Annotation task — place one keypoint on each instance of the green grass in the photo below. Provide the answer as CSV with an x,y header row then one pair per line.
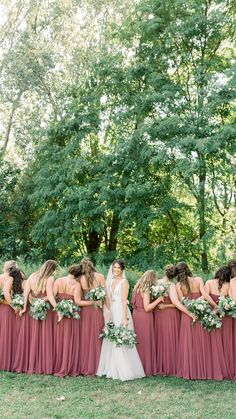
x,y
36,396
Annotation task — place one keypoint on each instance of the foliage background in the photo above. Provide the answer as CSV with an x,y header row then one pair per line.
x,y
117,131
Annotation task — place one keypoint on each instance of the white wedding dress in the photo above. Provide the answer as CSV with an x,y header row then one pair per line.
x,y
122,363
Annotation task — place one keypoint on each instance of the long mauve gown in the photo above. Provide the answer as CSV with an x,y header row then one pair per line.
x,y
220,364
144,329
167,328
8,328
194,355
67,344
92,323
42,343
21,358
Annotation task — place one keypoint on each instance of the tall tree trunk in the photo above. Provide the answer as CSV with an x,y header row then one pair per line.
x,y
202,212
115,224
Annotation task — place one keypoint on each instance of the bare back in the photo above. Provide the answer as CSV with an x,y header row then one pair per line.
x,y
97,281
195,284
3,279
212,287
232,288
65,285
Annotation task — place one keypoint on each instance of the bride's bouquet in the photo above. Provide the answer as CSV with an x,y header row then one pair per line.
x,y
39,308
119,335
97,294
17,301
226,307
1,295
202,310
159,290
67,308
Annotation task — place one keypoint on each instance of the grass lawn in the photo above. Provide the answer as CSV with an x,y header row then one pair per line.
x,y
44,397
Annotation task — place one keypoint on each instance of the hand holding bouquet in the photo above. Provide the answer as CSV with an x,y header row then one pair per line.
x,y
39,308
67,308
17,302
159,290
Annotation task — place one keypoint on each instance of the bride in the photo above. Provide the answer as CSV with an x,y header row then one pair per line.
x,y
123,362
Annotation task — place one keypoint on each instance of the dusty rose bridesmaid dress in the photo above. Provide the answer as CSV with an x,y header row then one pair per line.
x,y
144,329
92,323
8,327
194,354
67,344
167,328
220,359
21,358
42,344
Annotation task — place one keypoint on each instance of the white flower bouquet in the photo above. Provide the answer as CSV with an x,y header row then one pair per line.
x,y
202,310
210,322
67,308
39,308
159,290
119,335
226,307
17,301
97,294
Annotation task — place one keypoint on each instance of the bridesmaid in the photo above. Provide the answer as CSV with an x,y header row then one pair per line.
x,y
144,321
194,354
222,339
167,325
9,317
68,330
40,285
232,293
92,321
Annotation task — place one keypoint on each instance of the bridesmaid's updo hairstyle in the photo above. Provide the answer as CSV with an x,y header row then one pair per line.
x,y
171,271
44,273
15,273
88,270
183,272
8,265
232,267
120,262
144,283
75,270
223,275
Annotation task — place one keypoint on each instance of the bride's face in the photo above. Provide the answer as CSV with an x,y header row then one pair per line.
x,y
116,269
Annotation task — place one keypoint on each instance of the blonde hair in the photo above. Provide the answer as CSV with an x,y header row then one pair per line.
x,y
44,273
144,283
88,271
9,264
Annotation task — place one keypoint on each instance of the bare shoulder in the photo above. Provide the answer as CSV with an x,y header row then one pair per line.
x,y
99,276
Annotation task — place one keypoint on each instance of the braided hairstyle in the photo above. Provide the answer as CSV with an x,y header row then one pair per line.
x,y
15,273
183,272
88,270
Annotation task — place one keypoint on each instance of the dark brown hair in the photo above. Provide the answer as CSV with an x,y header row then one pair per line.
x,y
120,262
232,266
171,271
223,275
75,270
183,272
15,273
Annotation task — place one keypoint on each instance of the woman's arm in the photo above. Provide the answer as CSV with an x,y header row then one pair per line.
x,y
78,298
50,291
205,295
175,300
103,284
124,298
208,286
7,290
179,291
148,306
27,290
